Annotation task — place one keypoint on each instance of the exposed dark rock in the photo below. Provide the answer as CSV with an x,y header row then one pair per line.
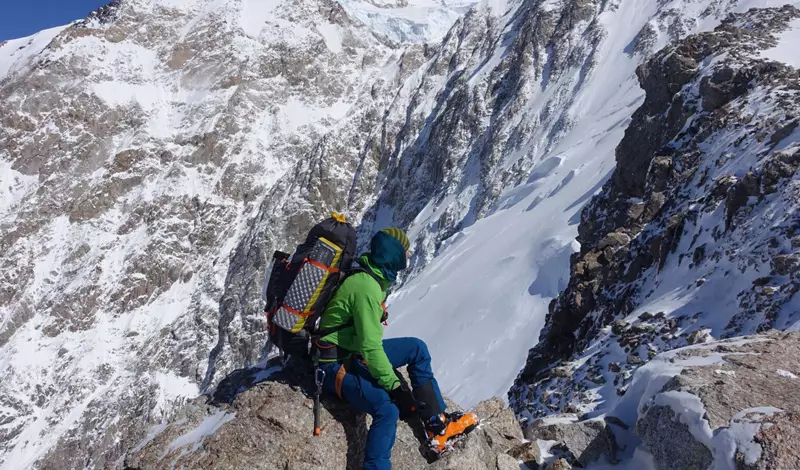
x,y
785,265
619,327
739,194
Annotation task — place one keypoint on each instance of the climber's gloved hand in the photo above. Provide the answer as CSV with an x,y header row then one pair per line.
x,y
405,402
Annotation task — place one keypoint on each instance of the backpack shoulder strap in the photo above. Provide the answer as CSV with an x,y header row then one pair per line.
x,y
361,269
355,270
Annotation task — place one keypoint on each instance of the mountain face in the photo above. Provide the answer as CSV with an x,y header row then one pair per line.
x,y
696,235
138,146
155,154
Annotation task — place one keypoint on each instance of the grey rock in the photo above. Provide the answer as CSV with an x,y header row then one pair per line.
x,y
670,441
560,371
642,328
738,195
503,429
699,336
506,462
558,464
586,441
619,327
634,359
654,204
269,424
614,240
528,452
659,173
751,381
646,316
785,265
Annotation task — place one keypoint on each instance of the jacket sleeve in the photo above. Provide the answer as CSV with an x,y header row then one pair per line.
x,y
367,318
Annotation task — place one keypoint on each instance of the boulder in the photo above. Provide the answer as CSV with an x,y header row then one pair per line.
x,y
527,452
506,462
786,264
560,371
619,327
582,441
661,430
558,464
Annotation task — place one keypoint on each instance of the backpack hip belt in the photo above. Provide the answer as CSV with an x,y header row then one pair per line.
x,y
330,352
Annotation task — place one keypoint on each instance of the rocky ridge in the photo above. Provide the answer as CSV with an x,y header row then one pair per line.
x,y
743,400
262,419
694,236
729,403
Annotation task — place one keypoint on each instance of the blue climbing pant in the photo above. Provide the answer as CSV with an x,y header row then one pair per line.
x,y
363,393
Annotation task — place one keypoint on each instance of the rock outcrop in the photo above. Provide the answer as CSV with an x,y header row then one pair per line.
x,y
723,404
733,403
262,419
691,238
580,442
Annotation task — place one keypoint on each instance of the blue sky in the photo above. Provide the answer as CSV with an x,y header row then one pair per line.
x,y
20,18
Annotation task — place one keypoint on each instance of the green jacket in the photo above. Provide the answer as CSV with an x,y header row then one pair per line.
x,y
359,298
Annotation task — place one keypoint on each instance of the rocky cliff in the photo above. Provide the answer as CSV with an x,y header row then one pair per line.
x,y
695,236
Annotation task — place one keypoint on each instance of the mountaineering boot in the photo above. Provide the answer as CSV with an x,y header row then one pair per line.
x,y
443,428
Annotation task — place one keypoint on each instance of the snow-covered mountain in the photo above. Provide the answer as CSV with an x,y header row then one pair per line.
x,y
136,148
154,155
538,151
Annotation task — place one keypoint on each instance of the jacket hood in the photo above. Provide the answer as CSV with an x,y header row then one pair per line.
x,y
387,255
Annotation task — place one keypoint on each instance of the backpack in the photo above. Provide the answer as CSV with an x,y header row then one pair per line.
x,y
299,287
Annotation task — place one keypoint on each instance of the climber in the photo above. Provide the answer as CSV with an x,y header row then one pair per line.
x,y
360,367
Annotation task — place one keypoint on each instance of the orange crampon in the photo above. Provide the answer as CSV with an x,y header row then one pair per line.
x,y
454,425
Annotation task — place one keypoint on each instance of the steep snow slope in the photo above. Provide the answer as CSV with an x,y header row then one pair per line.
x,y
15,54
482,301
